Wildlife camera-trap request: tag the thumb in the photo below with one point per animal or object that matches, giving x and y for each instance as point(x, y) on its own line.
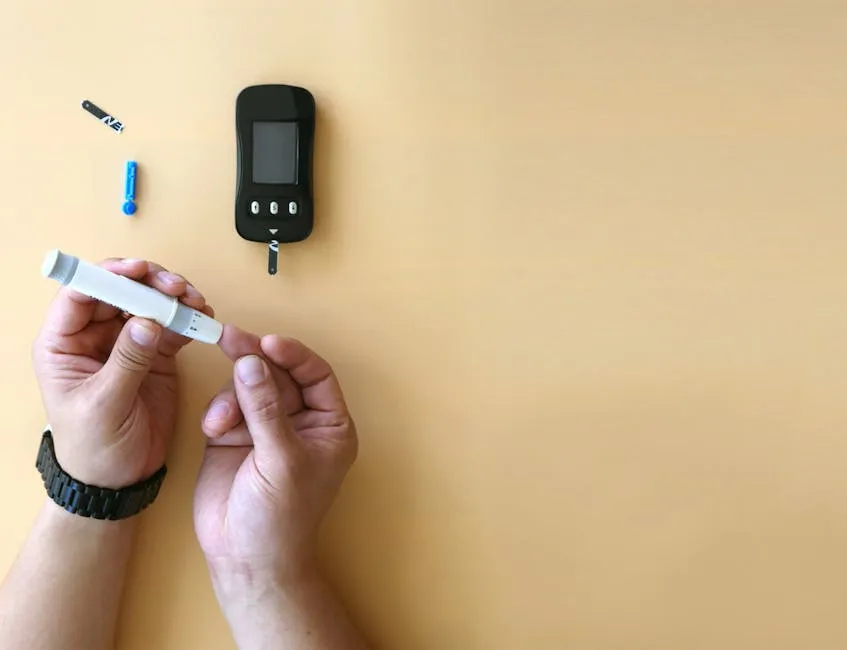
point(260, 401)
point(131, 358)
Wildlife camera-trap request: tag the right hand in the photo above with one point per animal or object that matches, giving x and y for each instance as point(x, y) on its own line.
point(280, 442)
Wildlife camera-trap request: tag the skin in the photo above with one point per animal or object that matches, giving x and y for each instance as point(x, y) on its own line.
point(280, 441)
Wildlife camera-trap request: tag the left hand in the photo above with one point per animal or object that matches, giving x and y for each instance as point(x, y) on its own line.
point(280, 442)
point(109, 384)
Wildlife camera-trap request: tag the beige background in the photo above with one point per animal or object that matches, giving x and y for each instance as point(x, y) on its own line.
point(579, 265)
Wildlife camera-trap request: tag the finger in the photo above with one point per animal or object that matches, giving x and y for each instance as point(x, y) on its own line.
point(168, 283)
point(237, 343)
point(237, 437)
point(98, 339)
point(193, 298)
point(261, 405)
point(130, 361)
point(292, 397)
point(223, 413)
point(71, 311)
point(312, 374)
point(308, 421)
point(172, 343)
point(173, 284)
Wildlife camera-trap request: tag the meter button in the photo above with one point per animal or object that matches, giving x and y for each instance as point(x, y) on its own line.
point(254, 207)
point(292, 208)
point(274, 207)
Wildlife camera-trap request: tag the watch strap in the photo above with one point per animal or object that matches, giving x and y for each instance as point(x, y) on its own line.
point(88, 500)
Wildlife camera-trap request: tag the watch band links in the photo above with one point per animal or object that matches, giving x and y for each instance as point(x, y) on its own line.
point(88, 500)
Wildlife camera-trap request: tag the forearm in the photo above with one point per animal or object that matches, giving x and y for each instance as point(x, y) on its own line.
point(297, 615)
point(64, 589)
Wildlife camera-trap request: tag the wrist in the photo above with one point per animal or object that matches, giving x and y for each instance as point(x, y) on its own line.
point(99, 463)
point(272, 613)
point(92, 531)
point(262, 610)
point(245, 581)
point(92, 501)
point(251, 591)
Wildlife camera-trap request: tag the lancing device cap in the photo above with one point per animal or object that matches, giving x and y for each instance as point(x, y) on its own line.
point(59, 266)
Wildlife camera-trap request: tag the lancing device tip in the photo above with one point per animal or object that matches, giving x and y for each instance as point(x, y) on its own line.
point(129, 206)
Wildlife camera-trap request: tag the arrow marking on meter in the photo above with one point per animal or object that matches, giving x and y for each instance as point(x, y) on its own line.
point(273, 231)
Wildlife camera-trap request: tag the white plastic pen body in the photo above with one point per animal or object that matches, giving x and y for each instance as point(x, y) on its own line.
point(130, 296)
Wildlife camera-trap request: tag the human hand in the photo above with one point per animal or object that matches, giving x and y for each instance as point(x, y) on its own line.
point(109, 384)
point(280, 442)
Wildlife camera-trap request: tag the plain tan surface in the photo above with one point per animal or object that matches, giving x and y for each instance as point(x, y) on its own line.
point(579, 265)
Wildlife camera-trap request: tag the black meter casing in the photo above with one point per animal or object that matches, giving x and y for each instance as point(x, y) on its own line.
point(275, 129)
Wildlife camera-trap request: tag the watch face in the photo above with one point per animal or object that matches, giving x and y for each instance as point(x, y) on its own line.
point(88, 500)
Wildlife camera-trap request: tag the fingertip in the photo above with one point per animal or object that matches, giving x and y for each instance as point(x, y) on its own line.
point(145, 333)
point(261, 403)
point(285, 351)
point(223, 412)
point(168, 283)
point(75, 296)
point(219, 418)
point(272, 339)
point(233, 333)
point(237, 343)
point(129, 267)
point(194, 293)
point(211, 430)
point(170, 278)
point(212, 434)
point(147, 322)
point(193, 298)
point(251, 370)
point(279, 348)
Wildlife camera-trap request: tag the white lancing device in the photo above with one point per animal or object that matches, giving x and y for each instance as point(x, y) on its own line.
point(130, 296)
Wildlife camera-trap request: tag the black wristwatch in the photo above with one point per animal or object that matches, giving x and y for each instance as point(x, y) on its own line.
point(88, 500)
